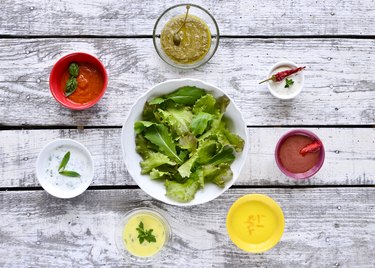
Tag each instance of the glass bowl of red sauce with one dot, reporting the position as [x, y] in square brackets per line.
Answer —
[299, 154]
[90, 76]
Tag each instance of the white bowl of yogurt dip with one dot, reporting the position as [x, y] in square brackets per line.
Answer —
[278, 89]
[64, 182]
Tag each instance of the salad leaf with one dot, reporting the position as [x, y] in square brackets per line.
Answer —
[157, 100]
[159, 135]
[185, 168]
[188, 142]
[178, 120]
[182, 192]
[200, 123]
[157, 174]
[236, 141]
[143, 146]
[225, 155]
[155, 160]
[139, 126]
[205, 104]
[217, 174]
[185, 95]
[206, 151]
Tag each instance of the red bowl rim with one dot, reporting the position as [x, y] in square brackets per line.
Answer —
[102, 70]
[311, 172]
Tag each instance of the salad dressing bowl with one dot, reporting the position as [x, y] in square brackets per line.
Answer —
[156, 188]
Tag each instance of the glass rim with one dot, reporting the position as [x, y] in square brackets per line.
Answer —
[186, 66]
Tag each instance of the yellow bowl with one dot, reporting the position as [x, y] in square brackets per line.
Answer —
[255, 223]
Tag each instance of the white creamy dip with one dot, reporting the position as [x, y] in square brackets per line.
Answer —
[278, 89]
[60, 185]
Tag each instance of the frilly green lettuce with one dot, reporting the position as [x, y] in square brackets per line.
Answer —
[185, 140]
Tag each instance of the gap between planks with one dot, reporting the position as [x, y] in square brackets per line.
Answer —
[129, 187]
[52, 127]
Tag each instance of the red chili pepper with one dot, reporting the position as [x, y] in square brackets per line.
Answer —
[281, 75]
[311, 148]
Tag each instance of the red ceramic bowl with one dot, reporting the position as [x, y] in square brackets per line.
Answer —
[61, 66]
[310, 172]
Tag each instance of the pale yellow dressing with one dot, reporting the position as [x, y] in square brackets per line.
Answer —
[130, 235]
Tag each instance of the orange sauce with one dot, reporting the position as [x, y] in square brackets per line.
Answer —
[90, 83]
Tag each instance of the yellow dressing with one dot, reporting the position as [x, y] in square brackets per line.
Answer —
[254, 222]
[130, 235]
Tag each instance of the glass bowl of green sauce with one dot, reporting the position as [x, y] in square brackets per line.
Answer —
[186, 36]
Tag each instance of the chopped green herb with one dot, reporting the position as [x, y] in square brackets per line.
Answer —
[288, 82]
[145, 234]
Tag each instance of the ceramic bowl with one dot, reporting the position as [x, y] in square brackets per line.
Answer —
[57, 73]
[132, 159]
[48, 163]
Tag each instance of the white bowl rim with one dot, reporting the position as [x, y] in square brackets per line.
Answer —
[244, 152]
[285, 97]
[71, 142]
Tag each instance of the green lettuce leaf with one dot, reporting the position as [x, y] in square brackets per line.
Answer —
[155, 160]
[217, 174]
[200, 123]
[156, 174]
[224, 156]
[178, 120]
[233, 139]
[185, 95]
[159, 135]
[182, 192]
[206, 151]
[188, 142]
[206, 104]
[139, 126]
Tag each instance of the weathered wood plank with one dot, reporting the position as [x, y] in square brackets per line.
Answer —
[324, 227]
[339, 86]
[119, 18]
[349, 156]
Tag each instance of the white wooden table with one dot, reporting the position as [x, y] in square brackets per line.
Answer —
[330, 218]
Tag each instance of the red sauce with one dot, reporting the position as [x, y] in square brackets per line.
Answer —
[90, 83]
[290, 157]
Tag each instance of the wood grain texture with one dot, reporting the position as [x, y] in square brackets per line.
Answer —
[323, 228]
[120, 18]
[339, 82]
[349, 156]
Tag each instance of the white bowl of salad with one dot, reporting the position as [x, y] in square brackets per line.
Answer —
[184, 142]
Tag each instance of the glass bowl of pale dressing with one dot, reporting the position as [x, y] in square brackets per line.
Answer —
[197, 35]
[142, 235]
[278, 89]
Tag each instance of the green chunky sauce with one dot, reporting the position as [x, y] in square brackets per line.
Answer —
[195, 39]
